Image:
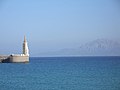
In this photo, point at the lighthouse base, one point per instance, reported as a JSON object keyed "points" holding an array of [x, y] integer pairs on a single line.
{"points": [[17, 59]]}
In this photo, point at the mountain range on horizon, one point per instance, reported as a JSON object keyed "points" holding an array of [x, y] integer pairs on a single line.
{"points": [[99, 47]]}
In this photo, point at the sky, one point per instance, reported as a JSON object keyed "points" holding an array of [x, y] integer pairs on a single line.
{"points": [[51, 25]]}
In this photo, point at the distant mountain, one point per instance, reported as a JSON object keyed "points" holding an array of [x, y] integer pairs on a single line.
{"points": [[99, 47]]}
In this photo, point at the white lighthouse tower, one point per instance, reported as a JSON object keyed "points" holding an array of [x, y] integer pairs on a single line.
{"points": [[25, 47], [20, 58]]}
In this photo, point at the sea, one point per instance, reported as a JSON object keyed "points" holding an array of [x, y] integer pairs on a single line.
{"points": [[62, 73]]}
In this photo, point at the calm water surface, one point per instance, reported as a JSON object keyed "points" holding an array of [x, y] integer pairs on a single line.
{"points": [[62, 73]]}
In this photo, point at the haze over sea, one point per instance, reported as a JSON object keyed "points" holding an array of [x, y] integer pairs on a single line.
{"points": [[62, 73]]}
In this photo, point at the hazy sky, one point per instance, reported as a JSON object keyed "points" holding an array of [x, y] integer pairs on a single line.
{"points": [[51, 25]]}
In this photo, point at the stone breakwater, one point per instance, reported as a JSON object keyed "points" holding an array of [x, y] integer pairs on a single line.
{"points": [[3, 57]]}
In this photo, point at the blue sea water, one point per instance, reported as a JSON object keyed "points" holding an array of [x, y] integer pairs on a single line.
{"points": [[62, 73]]}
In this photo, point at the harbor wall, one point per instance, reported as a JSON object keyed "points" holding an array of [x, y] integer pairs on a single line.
{"points": [[19, 59]]}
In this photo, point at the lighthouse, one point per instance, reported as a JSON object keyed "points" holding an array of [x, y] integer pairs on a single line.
{"points": [[19, 58], [25, 47]]}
